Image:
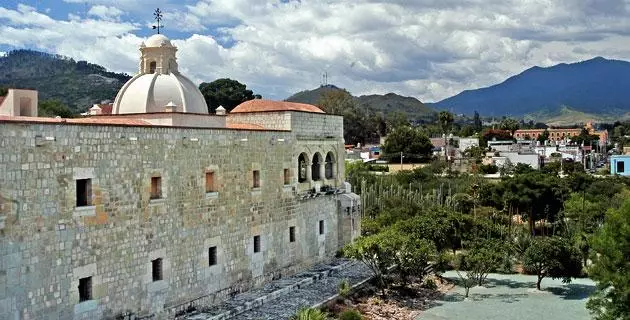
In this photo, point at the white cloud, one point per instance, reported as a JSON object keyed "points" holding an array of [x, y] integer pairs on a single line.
{"points": [[427, 48], [104, 12]]}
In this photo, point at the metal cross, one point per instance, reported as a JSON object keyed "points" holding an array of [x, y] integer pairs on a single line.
{"points": [[158, 18]]}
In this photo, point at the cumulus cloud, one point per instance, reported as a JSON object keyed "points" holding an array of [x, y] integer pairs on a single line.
{"points": [[429, 49]]}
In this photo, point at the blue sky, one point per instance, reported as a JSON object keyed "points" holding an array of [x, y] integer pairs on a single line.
{"points": [[429, 49]]}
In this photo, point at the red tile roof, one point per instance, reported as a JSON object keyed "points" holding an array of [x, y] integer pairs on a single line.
{"points": [[106, 108], [259, 105], [92, 120], [248, 126]]}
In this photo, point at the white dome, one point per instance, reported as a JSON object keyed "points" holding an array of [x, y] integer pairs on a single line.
{"points": [[153, 92], [158, 40]]}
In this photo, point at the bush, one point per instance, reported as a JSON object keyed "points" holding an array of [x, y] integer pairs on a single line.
{"points": [[310, 314], [344, 288], [429, 284], [488, 169], [350, 315]]}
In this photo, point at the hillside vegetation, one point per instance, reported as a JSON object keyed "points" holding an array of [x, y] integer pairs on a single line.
{"points": [[78, 84], [389, 103]]}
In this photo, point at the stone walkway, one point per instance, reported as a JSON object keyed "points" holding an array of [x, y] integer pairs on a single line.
{"points": [[280, 299], [514, 297]]}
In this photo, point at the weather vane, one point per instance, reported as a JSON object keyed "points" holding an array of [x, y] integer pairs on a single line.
{"points": [[158, 17]]}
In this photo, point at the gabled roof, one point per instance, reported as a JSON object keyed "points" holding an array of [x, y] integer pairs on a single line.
{"points": [[260, 105]]}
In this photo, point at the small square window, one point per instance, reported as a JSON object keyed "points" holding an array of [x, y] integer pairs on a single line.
{"points": [[85, 289], [212, 256], [321, 226], [256, 244], [156, 269], [210, 182], [291, 234], [287, 177], [156, 187], [256, 177], [84, 192]]}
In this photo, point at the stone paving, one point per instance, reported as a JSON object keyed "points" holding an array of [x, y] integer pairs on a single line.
{"points": [[280, 299], [514, 297]]}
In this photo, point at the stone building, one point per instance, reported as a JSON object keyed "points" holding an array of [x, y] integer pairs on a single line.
{"points": [[161, 203]]}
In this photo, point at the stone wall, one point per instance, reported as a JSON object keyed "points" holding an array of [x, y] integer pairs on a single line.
{"points": [[47, 243]]}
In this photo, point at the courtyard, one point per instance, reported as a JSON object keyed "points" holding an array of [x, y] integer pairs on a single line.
{"points": [[514, 297]]}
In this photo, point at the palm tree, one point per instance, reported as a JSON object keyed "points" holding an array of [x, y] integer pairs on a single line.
{"points": [[446, 122]]}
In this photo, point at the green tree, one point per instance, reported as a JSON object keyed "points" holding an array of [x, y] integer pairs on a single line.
{"points": [[373, 251], [225, 92], [413, 143], [54, 108], [477, 124], [543, 137], [611, 267], [358, 126], [510, 125], [397, 119], [411, 255], [3, 91], [553, 257], [446, 120]]}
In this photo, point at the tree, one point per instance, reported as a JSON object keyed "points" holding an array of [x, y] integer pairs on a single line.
{"points": [[227, 93], [552, 257], [358, 126], [372, 250], [477, 124], [510, 125], [483, 257], [3, 91], [414, 144], [54, 108], [411, 255], [397, 119], [445, 119], [611, 267], [543, 137]]}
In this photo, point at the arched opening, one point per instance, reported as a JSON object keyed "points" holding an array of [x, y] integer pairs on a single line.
{"points": [[302, 165], [316, 167], [330, 163], [152, 66]]}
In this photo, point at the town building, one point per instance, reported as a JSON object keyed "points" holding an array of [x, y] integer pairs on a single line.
{"points": [[618, 164], [160, 203], [19, 102], [561, 134]]}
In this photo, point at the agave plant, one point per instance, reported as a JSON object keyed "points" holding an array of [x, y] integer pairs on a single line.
{"points": [[310, 314]]}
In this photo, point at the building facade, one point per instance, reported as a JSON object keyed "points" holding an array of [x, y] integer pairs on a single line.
{"points": [[143, 212]]}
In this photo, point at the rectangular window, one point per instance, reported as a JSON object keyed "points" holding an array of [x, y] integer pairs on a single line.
{"points": [[210, 182], [156, 187], [620, 166], [212, 256], [85, 289], [256, 244], [321, 226], [287, 177], [156, 269], [84, 192], [256, 177], [291, 234]]}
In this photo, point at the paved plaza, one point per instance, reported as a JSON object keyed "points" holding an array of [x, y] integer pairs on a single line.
{"points": [[514, 297]]}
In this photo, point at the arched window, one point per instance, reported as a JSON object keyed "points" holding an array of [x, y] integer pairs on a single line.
{"points": [[302, 163], [329, 165], [317, 163], [152, 66]]}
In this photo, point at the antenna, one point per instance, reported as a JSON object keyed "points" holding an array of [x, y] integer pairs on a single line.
{"points": [[325, 79], [158, 18]]}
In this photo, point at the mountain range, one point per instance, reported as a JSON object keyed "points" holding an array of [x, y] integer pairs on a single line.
{"points": [[598, 88], [595, 86], [78, 84]]}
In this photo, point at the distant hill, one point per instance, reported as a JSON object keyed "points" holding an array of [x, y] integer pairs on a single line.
{"points": [[388, 103], [79, 84], [593, 86]]}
